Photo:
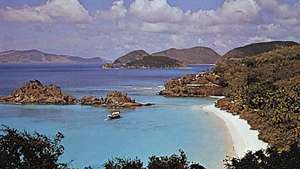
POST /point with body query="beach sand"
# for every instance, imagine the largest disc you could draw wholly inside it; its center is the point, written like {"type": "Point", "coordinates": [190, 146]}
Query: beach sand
{"type": "Point", "coordinates": [244, 139]}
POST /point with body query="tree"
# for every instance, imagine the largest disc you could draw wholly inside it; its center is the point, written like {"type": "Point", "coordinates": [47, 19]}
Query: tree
{"type": "Point", "coordinates": [119, 163]}
{"type": "Point", "coordinates": [172, 162]}
{"type": "Point", "coordinates": [271, 158]}
{"type": "Point", "coordinates": [163, 162]}
{"type": "Point", "coordinates": [22, 150]}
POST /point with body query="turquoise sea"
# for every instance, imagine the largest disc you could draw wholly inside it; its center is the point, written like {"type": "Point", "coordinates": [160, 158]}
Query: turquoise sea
{"type": "Point", "coordinates": [163, 129]}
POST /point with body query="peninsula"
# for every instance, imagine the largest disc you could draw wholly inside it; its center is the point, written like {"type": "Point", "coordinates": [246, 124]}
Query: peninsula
{"type": "Point", "coordinates": [261, 84]}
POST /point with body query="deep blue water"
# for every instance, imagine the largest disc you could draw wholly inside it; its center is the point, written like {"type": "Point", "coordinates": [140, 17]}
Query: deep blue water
{"type": "Point", "coordinates": [163, 129]}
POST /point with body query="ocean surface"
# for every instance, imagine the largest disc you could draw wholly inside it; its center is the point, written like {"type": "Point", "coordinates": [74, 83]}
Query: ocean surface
{"type": "Point", "coordinates": [90, 139]}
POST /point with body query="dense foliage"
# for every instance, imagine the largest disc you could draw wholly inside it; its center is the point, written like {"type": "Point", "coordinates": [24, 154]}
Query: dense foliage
{"type": "Point", "coordinates": [257, 48]}
{"type": "Point", "coordinates": [164, 162]}
{"type": "Point", "coordinates": [119, 163]}
{"type": "Point", "coordinates": [155, 62]}
{"type": "Point", "coordinates": [21, 150]}
{"type": "Point", "coordinates": [265, 90]}
{"type": "Point", "coordinates": [268, 159]}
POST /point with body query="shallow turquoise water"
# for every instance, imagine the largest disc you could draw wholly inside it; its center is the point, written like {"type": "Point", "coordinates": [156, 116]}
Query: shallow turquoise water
{"type": "Point", "coordinates": [163, 129]}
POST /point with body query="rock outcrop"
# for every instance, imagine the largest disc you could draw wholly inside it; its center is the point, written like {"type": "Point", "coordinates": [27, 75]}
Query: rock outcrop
{"type": "Point", "coordinates": [202, 84]}
{"type": "Point", "coordinates": [34, 92]}
{"type": "Point", "coordinates": [112, 99]}
{"type": "Point", "coordinates": [90, 100]}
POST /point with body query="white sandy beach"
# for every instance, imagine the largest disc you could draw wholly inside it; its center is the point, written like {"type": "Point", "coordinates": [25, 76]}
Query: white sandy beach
{"type": "Point", "coordinates": [243, 138]}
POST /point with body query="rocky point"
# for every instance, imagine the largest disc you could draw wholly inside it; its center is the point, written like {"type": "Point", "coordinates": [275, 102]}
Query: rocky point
{"type": "Point", "coordinates": [34, 92]}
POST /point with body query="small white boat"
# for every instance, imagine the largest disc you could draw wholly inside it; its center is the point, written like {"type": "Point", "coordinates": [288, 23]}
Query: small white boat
{"type": "Point", "coordinates": [114, 115]}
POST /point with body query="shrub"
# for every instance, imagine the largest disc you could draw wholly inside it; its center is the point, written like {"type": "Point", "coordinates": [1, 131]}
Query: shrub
{"type": "Point", "coordinates": [22, 150]}
{"type": "Point", "coordinates": [163, 162]}
{"type": "Point", "coordinates": [119, 163]}
{"type": "Point", "coordinates": [268, 159]}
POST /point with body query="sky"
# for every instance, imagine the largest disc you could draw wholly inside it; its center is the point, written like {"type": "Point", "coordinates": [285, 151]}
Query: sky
{"type": "Point", "coordinates": [111, 28]}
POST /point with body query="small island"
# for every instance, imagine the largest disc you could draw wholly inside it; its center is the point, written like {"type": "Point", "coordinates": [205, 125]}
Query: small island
{"type": "Point", "coordinates": [113, 99]}
{"type": "Point", "coordinates": [34, 92]}
{"type": "Point", "coordinates": [170, 58]}
{"type": "Point", "coordinates": [142, 60]}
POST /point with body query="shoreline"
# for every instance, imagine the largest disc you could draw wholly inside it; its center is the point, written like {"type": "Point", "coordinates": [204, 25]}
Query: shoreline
{"type": "Point", "coordinates": [243, 138]}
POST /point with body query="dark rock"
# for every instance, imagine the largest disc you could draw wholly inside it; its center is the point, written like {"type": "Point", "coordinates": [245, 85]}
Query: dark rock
{"type": "Point", "coordinates": [90, 100]}
{"type": "Point", "coordinates": [115, 98]}
{"type": "Point", "coordinates": [112, 99]}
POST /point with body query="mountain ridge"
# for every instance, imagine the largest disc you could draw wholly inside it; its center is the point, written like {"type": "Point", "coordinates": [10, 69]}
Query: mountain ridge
{"type": "Point", "coordinates": [34, 56]}
{"type": "Point", "coordinates": [169, 58]}
{"type": "Point", "coordinates": [193, 55]}
{"type": "Point", "coordinates": [141, 59]}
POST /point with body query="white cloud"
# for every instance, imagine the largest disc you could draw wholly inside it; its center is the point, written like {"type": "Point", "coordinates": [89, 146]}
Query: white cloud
{"type": "Point", "coordinates": [54, 10]}
{"type": "Point", "coordinates": [156, 25]}
{"type": "Point", "coordinates": [155, 11]}
{"type": "Point", "coordinates": [232, 11]}
{"type": "Point", "coordinates": [116, 11]}
{"type": "Point", "coordinates": [281, 12]}
{"type": "Point", "coordinates": [259, 39]}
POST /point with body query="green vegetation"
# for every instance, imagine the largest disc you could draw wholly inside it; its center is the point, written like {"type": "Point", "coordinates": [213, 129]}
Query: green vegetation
{"type": "Point", "coordinates": [261, 83]}
{"type": "Point", "coordinates": [119, 163]}
{"type": "Point", "coordinates": [267, 159]}
{"type": "Point", "coordinates": [266, 90]}
{"type": "Point", "coordinates": [22, 150]}
{"type": "Point", "coordinates": [258, 48]}
{"type": "Point", "coordinates": [142, 59]}
{"type": "Point", "coordinates": [155, 62]}
{"type": "Point", "coordinates": [164, 162]}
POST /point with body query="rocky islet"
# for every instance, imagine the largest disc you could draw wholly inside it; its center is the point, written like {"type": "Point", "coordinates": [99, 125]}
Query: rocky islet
{"type": "Point", "coordinates": [34, 92]}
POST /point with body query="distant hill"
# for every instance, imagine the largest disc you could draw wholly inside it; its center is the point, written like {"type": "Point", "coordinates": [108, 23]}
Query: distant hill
{"type": "Point", "coordinates": [141, 59]}
{"type": "Point", "coordinates": [195, 55]}
{"type": "Point", "coordinates": [38, 57]}
{"type": "Point", "coordinates": [130, 57]}
{"type": "Point", "coordinates": [257, 48]}
{"type": "Point", "coordinates": [155, 62]}
{"type": "Point", "coordinates": [237, 54]}
{"type": "Point", "coordinates": [167, 58]}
